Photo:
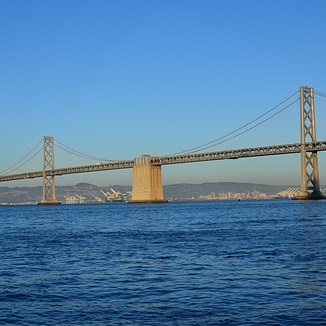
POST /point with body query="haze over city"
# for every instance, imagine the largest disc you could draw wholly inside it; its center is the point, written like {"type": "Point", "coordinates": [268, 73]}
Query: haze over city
{"type": "Point", "coordinates": [117, 80]}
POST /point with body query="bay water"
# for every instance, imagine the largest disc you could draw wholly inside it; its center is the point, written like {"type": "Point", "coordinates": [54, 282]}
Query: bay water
{"type": "Point", "coordinates": [257, 262]}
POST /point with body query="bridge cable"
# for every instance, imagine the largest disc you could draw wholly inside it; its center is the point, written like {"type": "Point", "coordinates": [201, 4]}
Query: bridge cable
{"type": "Point", "coordinates": [243, 132]}
{"type": "Point", "coordinates": [199, 148]}
{"type": "Point", "coordinates": [80, 154]}
{"type": "Point", "coordinates": [12, 169]}
{"type": "Point", "coordinates": [320, 94]}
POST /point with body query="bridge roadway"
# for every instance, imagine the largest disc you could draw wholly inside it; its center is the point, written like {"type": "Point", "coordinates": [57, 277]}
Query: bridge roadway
{"type": "Point", "coordinates": [176, 159]}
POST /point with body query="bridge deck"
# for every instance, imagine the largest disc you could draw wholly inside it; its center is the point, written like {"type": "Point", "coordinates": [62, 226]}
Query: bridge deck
{"type": "Point", "coordinates": [238, 153]}
{"type": "Point", "coordinates": [176, 159]}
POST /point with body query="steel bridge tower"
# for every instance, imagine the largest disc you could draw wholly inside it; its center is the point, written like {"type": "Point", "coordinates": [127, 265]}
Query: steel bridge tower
{"type": "Point", "coordinates": [310, 187]}
{"type": "Point", "coordinates": [48, 197]}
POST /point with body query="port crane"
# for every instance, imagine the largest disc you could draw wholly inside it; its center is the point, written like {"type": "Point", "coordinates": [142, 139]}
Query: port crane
{"type": "Point", "coordinates": [113, 196]}
{"type": "Point", "coordinates": [98, 199]}
{"type": "Point", "coordinates": [81, 199]}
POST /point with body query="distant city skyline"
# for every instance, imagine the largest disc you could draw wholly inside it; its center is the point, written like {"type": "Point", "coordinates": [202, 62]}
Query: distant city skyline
{"type": "Point", "coordinates": [122, 79]}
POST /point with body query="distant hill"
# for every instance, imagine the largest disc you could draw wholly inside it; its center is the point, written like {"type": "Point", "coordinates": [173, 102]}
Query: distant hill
{"type": "Point", "coordinates": [174, 191]}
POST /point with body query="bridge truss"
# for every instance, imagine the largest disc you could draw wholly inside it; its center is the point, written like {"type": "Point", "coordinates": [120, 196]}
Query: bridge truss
{"type": "Point", "coordinates": [239, 153]}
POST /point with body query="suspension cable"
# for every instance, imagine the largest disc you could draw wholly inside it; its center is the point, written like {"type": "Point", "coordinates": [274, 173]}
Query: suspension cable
{"type": "Point", "coordinates": [320, 94]}
{"type": "Point", "coordinates": [243, 132]}
{"type": "Point", "coordinates": [202, 147]}
{"type": "Point", "coordinates": [25, 162]}
{"type": "Point", "coordinates": [80, 154]}
{"type": "Point", "coordinates": [12, 168]}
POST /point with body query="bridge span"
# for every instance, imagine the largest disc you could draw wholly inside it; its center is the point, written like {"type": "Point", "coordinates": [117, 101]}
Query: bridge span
{"type": "Point", "coordinates": [147, 175]}
{"type": "Point", "coordinates": [174, 159]}
{"type": "Point", "coordinates": [158, 161]}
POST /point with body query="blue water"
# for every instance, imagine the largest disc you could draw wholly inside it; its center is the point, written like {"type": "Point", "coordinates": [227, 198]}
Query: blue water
{"type": "Point", "coordinates": [196, 263]}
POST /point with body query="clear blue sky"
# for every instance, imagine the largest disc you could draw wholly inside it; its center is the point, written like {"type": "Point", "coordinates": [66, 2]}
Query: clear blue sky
{"type": "Point", "coordinates": [118, 79]}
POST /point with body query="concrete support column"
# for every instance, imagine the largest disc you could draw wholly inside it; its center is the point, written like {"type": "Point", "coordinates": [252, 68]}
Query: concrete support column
{"type": "Point", "coordinates": [146, 181]}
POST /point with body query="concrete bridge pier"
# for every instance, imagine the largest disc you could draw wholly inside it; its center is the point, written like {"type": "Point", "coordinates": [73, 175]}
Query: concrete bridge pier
{"type": "Point", "coordinates": [146, 181]}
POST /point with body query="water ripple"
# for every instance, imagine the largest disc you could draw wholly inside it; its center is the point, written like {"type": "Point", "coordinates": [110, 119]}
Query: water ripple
{"type": "Point", "coordinates": [214, 263]}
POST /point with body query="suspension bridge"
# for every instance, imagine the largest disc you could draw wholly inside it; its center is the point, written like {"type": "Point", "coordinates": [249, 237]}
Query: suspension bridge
{"type": "Point", "coordinates": [147, 174]}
